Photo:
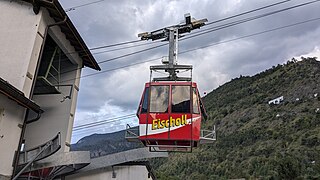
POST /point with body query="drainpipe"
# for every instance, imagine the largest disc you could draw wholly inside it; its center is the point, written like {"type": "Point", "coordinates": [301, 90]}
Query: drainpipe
{"type": "Point", "coordinates": [16, 159]}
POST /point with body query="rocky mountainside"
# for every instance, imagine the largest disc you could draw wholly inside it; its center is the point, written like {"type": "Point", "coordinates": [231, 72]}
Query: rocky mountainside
{"type": "Point", "coordinates": [256, 140]}
{"type": "Point", "coordinates": [103, 144]}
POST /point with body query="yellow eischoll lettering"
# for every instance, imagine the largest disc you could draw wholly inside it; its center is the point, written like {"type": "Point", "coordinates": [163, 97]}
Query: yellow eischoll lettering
{"type": "Point", "coordinates": [163, 124]}
{"type": "Point", "coordinates": [154, 124]}
{"type": "Point", "coordinates": [167, 123]}
{"type": "Point", "coordinates": [172, 122]}
{"type": "Point", "coordinates": [178, 122]}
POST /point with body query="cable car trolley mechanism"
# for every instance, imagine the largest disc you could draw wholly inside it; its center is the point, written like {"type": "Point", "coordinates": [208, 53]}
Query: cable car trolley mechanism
{"type": "Point", "coordinates": [170, 110]}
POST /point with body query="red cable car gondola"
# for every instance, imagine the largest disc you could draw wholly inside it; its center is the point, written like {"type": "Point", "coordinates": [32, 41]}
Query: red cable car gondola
{"type": "Point", "coordinates": [170, 110]}
{"type": "Point", "coordinates": [170, 116]}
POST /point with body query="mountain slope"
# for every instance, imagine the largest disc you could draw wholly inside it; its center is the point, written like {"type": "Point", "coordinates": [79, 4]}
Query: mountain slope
{"type": "Point", "coordinates": [103, 144]}
{"type": "Point", "coordinates": [255, 139]}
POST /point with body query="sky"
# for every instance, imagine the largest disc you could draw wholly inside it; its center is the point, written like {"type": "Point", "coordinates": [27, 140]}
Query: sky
{"type": "Point", "coordinates": [244, 49]}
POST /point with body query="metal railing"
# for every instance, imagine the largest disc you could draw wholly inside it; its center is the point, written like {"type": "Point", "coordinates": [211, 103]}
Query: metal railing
{"type": "Point", "coordinates": [132, 133]}
{"type": "Point", "coordinates": [30, 154]}
{"type": "Point", "coordinates": [208, 136]}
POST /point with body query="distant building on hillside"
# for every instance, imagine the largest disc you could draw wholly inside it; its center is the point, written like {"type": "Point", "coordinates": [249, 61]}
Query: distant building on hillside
{"type": "Point", "coordinates": [277, 100]}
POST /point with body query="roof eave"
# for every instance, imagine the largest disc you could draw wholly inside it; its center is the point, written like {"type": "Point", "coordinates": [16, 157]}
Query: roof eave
{"type": "Point", "coordinates": [16, 95]}
{"type": "Point", "coordinates": [58, 14]}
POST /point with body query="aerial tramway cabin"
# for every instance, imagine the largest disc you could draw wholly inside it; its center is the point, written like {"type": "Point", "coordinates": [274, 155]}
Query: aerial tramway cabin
{"type": "Point", "coordinates": [170, 115]}
{"type": "Point", "coordinates": [170, 110]}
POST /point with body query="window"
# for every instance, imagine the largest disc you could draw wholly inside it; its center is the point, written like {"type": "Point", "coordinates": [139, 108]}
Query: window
{"type": "Point", "coordinates": [145, 101]}
{"type": "Point", "coordinates": [180, 99]}
{"type": "Point", "coordinates": [159, 99]}
{"type": "Point", "coordinates": [195, 101]}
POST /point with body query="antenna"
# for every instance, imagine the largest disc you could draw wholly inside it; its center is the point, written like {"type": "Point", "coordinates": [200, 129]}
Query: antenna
{"type": "Point", "coordinates": [172, 34]}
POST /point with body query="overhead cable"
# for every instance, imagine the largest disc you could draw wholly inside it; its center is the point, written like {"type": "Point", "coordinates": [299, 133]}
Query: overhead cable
{"type": "Point", "coordinates": [203, 47]}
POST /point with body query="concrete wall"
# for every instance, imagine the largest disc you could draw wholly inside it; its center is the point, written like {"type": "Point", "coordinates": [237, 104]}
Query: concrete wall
{"type": "Point", "coordinates": [59, 113]}
{"type": "Point", "coordinates": [58, 116]}
{"type": "Point", "coordinates": [11, 115]}
{"type": "Point", "coordinates": [121, 172]}
{"type": "Point", "coordinates": [20, 43]}
{"type": "Point", "coordinates": [21, 37]}
{"type": "Point", "coordinates": [19, 49]}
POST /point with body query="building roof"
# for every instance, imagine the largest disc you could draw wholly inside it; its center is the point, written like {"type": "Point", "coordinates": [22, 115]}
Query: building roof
{"type": "Point", "coordinates": [125, 158]}
{"type": "Point", "coordinates": [16, 95]}
{"type": "Point", "coordinates": [58, 14]}
{"type": "Point", "coordinates": [122, 157]}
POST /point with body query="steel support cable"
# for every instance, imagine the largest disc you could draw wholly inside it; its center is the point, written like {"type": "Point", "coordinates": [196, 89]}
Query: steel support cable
{"type": "Point", "coordinates": [220, 20]}
{"type": "Point", "coordinates": [107, 46]}
{"type": "Point", "coordinates": [83, 125]}
{"type": "Point", "coordinates": [126, 47]}
{"type": "Point", "coordinates": [101, 123]}
{"type": "Point", "coordinates": [248, 12]}
{"type": "Point", "coordinates": [216, 28]}
{"type": "Point", "coordinates": [235, 39]}
{"type": "Point", "coordinates": [106, 51]}
{"type": "Point", "coordinates": [109, 70]}
{"type": "Point", "coordinates": [203, 47]}
{"type": "Point", "coordinates": [118, 57]}
{"type": "Point", "coordinates": [250, 35]}
{"type": "Point", "coordinates": [212, 29]}
{"type": "Point", "coordinates": [190, 50]}
{"type": "Point", "coordinates": [188, 37]}
{"type": "Point", "coordinates": [206, 30]}
{"type": "Point", "coordinates": [129, 54]}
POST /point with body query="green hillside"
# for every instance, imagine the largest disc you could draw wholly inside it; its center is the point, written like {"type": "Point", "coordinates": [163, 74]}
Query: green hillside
{"type": "Point", "coordinates": [256, 140]}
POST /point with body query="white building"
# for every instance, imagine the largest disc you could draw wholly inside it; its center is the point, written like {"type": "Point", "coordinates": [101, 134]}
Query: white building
{"type": "Point", "coordinates": [127, 165]}
{"type": "Point", "coordinates": [277, 100]}
{"type": "Point", "coordinates": [42, 55]}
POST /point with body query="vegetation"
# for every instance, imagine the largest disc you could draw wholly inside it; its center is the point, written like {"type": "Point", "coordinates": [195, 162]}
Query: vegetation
{"type": "Point", "coordinates": [256, 140]}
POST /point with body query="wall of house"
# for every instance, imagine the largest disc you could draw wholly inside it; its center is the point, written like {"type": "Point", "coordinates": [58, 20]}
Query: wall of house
{"type": "Point", "coordinates": [121, 172]}
{"type": "Point", "coordinates": [20, 46]}
{"type": "Point", "coordinates": [10, 129]}
{"type": "Point", "coordinates": [21, 37]}
{"type": "Point", "coordinates": [57, 117]}
{"type": "Point", "coordinates": [59, 112]}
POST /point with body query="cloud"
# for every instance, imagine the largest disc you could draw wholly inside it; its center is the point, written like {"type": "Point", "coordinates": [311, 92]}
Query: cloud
{"type": "Point", "coordinates": [108, 118]}
{"type": "Point", "coordinates": [112, 22]}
